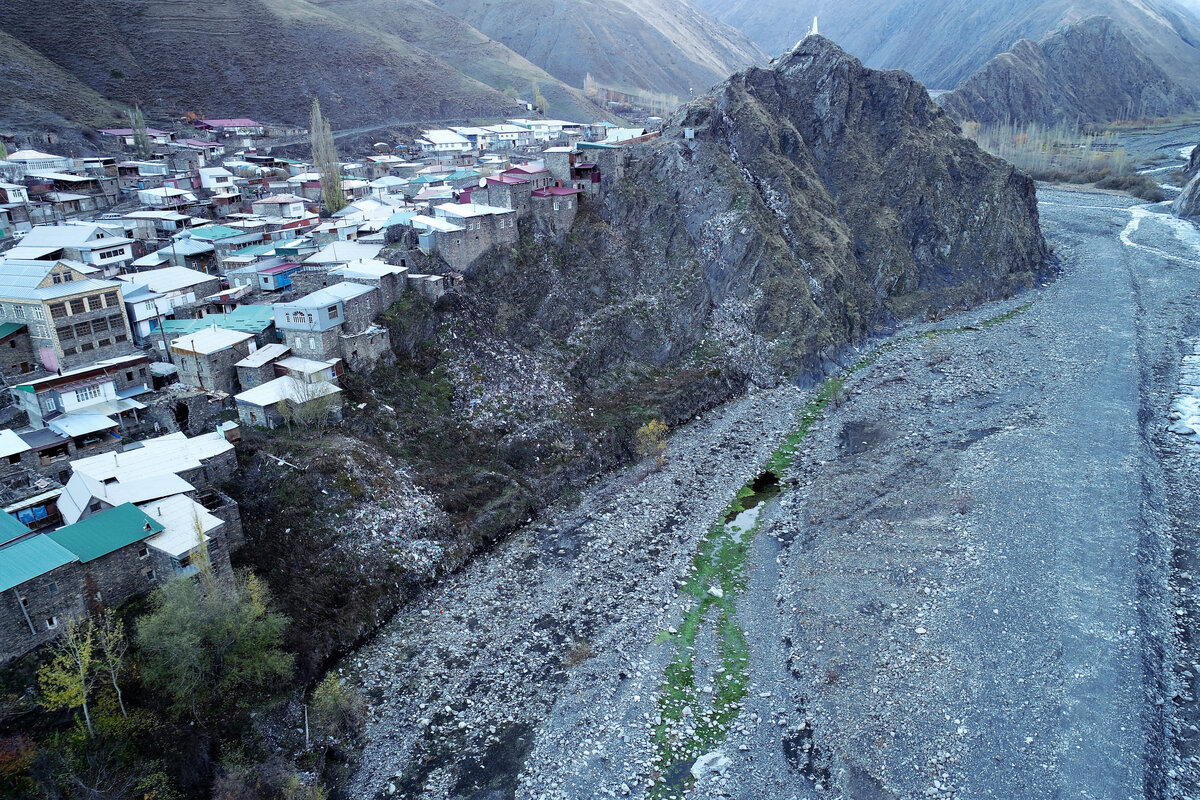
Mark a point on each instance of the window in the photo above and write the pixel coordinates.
(143, 551)
(37, 312)
(58, 310)
(70, 351)
(332, 311)
(52, 588)
(312, 343)
(99, 325)
(116, 321)
(56, 277)
(83, 329)
(120, 337)
(68, 277)
(95, 302)
(51, 623)
(77, 305)
(110, 298)
(104, 343)
(94, 506)
(310, 319)
(129, 375)
(142, 372)
(15, 458)
(86, 347)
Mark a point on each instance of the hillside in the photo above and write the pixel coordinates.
(1086, 72)
(656, 45)
(423, 25)
(943, 42)
(36, 93)
(258, 58)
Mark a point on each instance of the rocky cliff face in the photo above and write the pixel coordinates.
(1187, 205)
(816, 202)
(1086, 72)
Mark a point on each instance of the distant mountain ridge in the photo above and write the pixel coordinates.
(1088, 72)
(943, 42)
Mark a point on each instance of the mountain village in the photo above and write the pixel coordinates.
(156, 300)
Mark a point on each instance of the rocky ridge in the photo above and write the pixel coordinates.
(809, 204)
(1088, 72)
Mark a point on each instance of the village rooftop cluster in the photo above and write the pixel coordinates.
(155, 300)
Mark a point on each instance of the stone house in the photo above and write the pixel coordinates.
(100, 246)
(259, 367)
(17, 356)
(260, 406)
(153, 295)
(99, 562)
(481, 228)
(554, 210)
(108, 388)
(335, 322)
(207, 358)
(507, 191)
(73, 318)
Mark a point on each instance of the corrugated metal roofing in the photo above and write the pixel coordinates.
(9, 328)
(248, 319)
(10, 528)
(107, 531)
(30, 558)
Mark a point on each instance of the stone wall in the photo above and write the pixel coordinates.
(554, 216)
(57, 594)
(460, 249)
(317, 345)
(18, 358)
(365, 349)
(212, 372)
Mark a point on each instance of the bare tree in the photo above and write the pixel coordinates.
(110, 636)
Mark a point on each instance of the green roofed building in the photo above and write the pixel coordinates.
(41, 587)
(106, 532)
(256, 319)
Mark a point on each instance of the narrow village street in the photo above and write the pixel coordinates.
(964, 589)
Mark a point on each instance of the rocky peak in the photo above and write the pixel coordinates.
(802, 206)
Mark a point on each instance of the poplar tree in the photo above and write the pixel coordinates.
(141, 139)
(325, 159)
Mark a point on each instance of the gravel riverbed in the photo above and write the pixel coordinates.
(976, 582)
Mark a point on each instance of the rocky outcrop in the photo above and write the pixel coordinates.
(795, 210)
(1187, 205)
(1088, 72)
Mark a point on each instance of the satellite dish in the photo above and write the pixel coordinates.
(483, 183)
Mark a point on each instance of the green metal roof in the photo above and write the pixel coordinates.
(30, 558)
(11, 528)
(246, 319)
(9, 328)
(215, 232)
(254, 250)
(107, 531)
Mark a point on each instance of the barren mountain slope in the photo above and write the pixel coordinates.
(659, 45)
(1087, 72)
(38, 95)
(259, 58)
(423, 25)
(942, 42)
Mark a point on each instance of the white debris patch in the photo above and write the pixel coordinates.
(497, 385)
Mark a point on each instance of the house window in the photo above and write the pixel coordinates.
(87, 393)
(68, 277)
(120, 337)
(143, 551)
(56, 277)
(116, 321)
(70, 351)
(142, 372)
(94, 302)
(149, 573)
(15, 458)
(77, 305)
(66, 332)
(100, 325)
(58, 310)
(332, 311)
(52, 588)
(86, 347)
(104, 343)
(51, 623)
(94, 506)
(312, 343)
(129, 375)
(83, 329)
(310, 319)
(110, 298)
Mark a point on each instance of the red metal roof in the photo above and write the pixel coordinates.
(556, 191)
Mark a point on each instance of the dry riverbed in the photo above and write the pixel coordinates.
(973, 581)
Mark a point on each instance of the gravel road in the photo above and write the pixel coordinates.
(975, 584)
